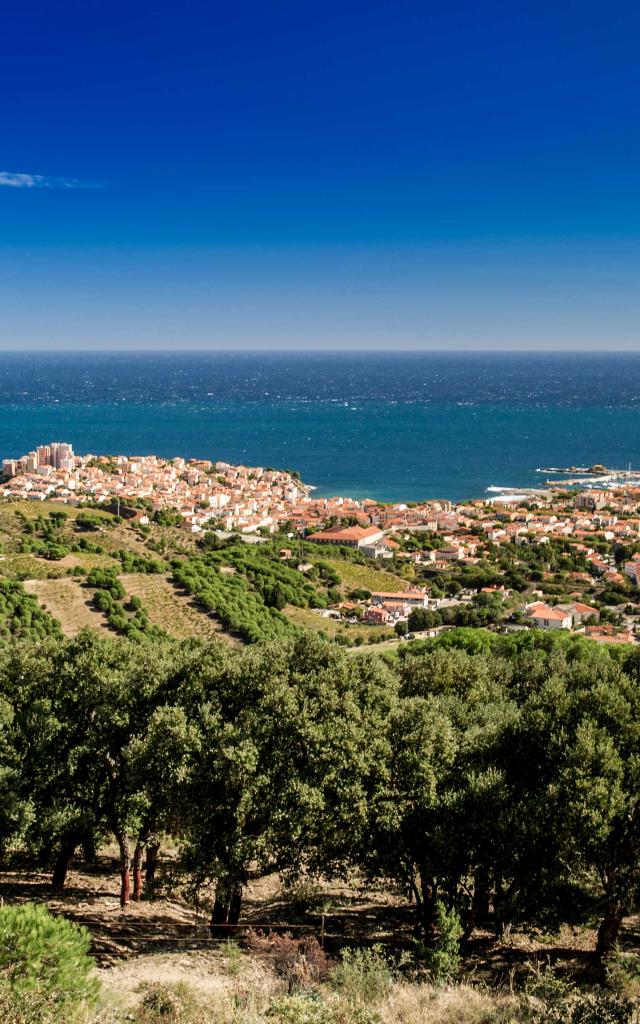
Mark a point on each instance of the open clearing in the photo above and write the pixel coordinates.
(32, 567)
(356, 576)
(332, 627)
(33, 509)
(166, 940)
(174, 612)
(67, 601)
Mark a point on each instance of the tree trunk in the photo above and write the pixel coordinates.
(89, 849)
(469, 926)
(137, 872)
(417, 931)
(219, 914)
(226, 908)
(428, 911)
(62, 864)
(235, 905)
(153, 849)
(481, 895)
(503, 906)
(609, 930)
(125, 869)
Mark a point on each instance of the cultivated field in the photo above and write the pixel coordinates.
(332, 628)
(173, 611)
(66, 600)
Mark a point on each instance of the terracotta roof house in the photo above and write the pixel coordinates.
(348, 536)
(545, 617)
(377, 616)
(579, 612)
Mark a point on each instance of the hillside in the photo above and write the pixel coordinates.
(170, 582)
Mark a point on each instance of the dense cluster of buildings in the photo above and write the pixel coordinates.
(236, 497)
(247, 499)
(203, 492)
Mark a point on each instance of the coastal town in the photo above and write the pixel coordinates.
(554, 558)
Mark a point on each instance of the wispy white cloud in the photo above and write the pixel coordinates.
(13, 179)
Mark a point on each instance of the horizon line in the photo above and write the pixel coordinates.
(320, 351)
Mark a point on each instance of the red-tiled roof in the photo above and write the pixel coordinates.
(346, 533)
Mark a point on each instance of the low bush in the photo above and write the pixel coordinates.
(232, 956)
(306, 1008)
(550, 999)
(45, 967)
(622, 971)
(300, 963)
(364, 975)
(442, 959)
(170, 1004)
(305, 898)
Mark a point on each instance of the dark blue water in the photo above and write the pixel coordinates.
(394, 427)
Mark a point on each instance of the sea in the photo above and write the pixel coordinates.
(395, 427)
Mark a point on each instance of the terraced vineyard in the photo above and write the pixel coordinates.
(173, 611)
(67, 602)
(88, 568)
(354, 576)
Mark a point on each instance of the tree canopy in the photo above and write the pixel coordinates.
(503, 779)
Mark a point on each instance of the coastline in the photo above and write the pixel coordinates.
(394, 428)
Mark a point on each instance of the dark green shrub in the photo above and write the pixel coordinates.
(44, 962)
(443, 958)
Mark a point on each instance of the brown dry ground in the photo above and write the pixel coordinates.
(174, 611)
(165, 944)
(168, 938)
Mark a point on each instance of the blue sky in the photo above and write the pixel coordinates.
(320, 175)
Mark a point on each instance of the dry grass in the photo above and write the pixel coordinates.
(248, 998)
(205, 973)
(161, 946)
(68, 602)
(29, 567)
(32, 509)
(32, 567)
(331, 627)
(462, 1004)
(366, 577)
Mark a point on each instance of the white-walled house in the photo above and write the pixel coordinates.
(546, 617)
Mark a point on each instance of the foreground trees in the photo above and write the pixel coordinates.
(575, 774)
(440, 828)
(504, 782)
(290, 747)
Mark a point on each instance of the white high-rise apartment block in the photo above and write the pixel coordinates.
(61, 455)
(57, 454)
